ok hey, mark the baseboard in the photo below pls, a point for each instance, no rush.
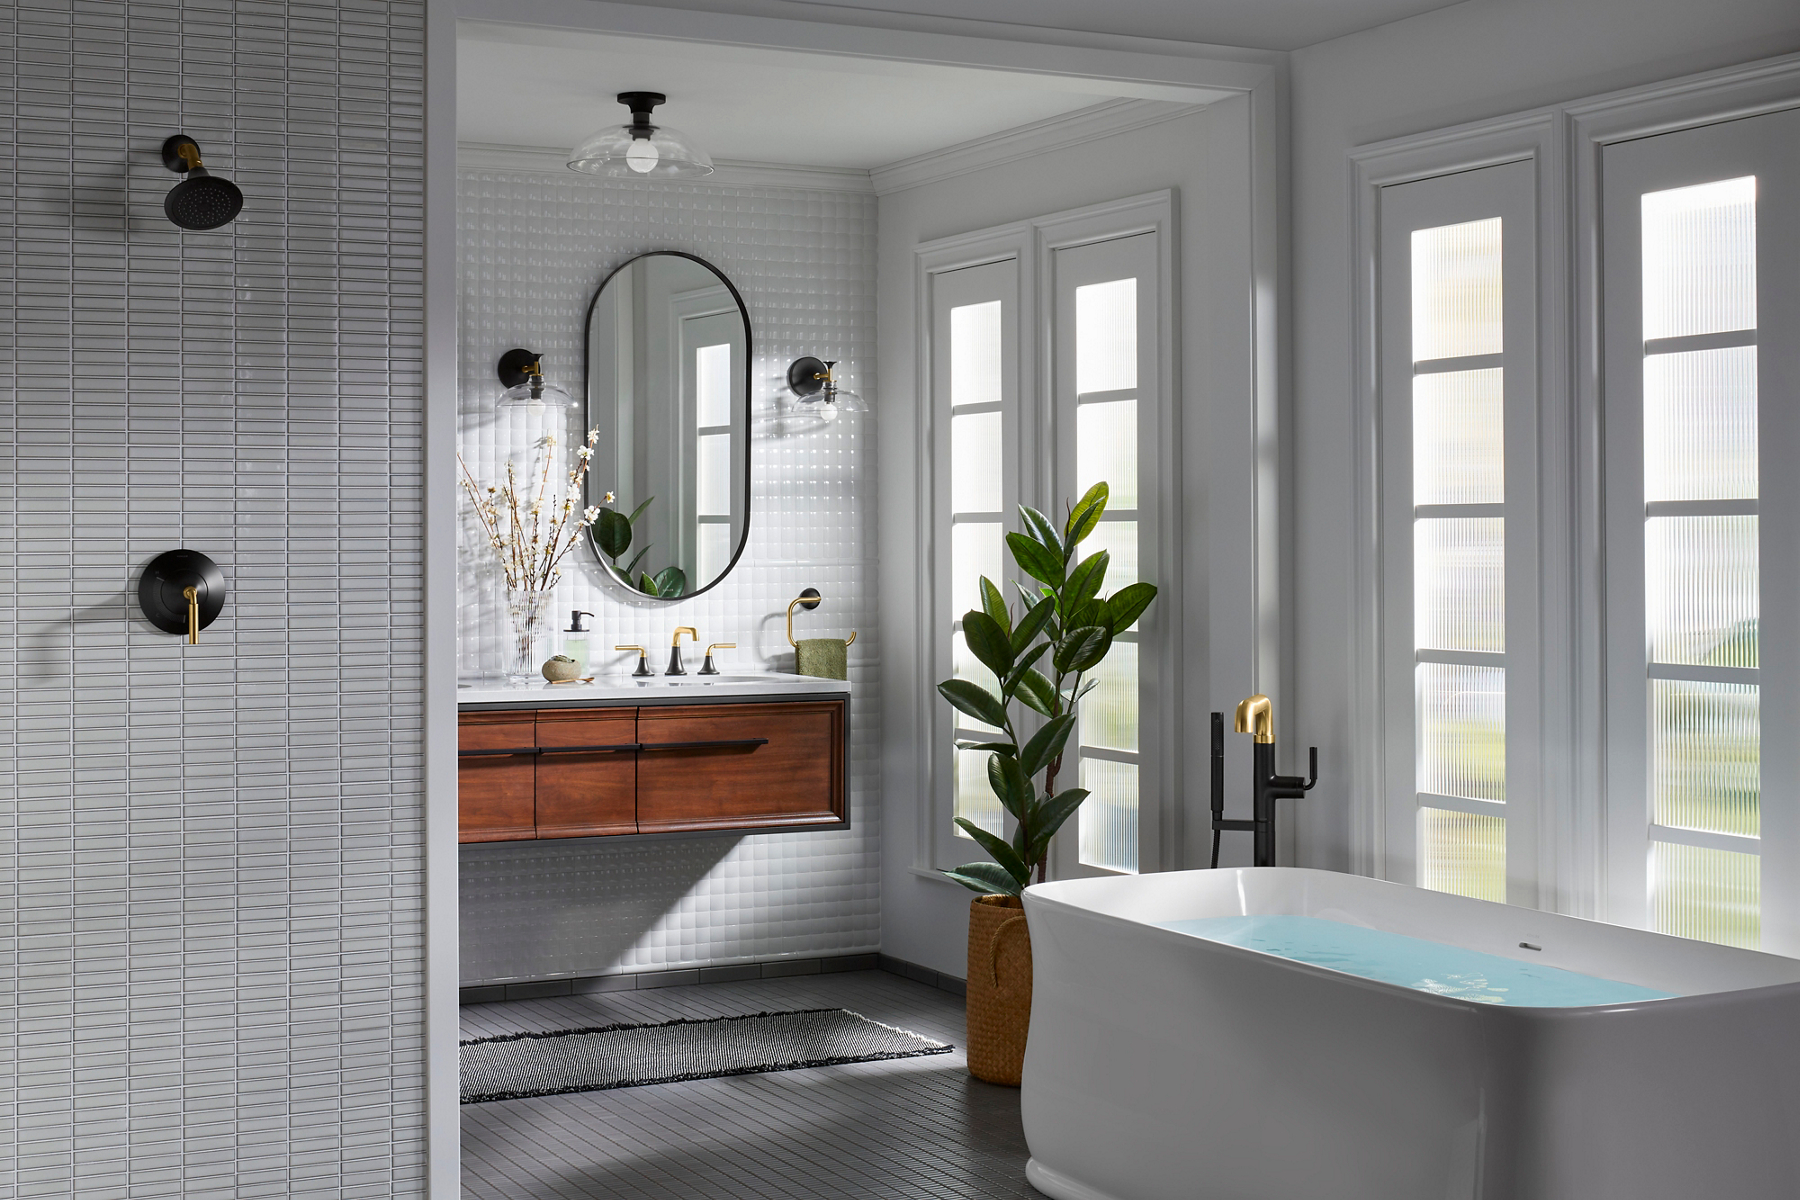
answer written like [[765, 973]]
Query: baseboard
[[582, 985], [953, 984]]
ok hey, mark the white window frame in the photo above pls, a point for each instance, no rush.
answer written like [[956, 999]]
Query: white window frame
[[1566, 144], [1032, 246], [1682, 157], [1506, 191]]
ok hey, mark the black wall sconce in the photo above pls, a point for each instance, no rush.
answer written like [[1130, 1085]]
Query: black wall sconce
[[202, 200], [814, 381], [182, 591], [522, 371]]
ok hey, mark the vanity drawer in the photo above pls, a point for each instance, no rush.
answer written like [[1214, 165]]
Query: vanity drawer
[[734, 766], [494, 777], [587, 772]]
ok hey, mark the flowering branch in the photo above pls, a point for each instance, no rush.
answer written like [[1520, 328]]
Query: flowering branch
[[532, 533]]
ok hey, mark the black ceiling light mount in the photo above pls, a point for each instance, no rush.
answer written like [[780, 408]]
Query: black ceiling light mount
[[641, 148], [202, 200]]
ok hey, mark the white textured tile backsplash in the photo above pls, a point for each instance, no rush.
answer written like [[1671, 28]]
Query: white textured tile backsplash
[[535, 246]]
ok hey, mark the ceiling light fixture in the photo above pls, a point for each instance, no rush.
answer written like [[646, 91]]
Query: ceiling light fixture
[[640, 148]]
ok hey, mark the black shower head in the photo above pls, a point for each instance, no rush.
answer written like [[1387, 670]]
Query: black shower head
[[202, 200]]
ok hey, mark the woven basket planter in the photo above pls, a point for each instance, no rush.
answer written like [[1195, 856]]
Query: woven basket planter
[[999, 988]]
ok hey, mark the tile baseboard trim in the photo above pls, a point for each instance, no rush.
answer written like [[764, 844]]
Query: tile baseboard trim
[[953, 984], [582, 985]]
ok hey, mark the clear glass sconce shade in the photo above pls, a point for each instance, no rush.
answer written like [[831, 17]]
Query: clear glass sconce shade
[[535, 394], [665, 153]]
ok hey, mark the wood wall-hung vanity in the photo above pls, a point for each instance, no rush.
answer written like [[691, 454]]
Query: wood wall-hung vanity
[[596, 768]]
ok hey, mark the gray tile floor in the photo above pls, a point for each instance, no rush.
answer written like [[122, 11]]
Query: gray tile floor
[[907, 1129]]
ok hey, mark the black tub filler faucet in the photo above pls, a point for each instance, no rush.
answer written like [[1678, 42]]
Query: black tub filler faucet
[[1256, 716]]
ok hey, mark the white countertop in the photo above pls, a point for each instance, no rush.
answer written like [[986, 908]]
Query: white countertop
[[682, 688]]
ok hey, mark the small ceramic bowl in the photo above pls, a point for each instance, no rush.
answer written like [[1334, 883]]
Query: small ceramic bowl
[[561, 668]]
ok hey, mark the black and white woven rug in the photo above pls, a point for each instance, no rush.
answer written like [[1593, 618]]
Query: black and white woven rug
[[517, 1065]]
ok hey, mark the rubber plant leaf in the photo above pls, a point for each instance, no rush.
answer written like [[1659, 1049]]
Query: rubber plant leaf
[[1002, 851], [1046, 744], [1085, 580], [987, 878], [1082, 649], [993, 603], [971, 699], [1038, 693], [1086, 514], [639, 511], [1010, 784], [1031, 624], [988, 642], [1050, 817], [1036, 559], [612, 532], [671, 581], [1010, 684], [1044, 530], [1126, 605], [647, 585]]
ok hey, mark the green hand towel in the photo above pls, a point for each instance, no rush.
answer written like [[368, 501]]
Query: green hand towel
[[822, 658]]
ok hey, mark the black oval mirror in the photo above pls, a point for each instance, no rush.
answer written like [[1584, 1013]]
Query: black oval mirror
[[668, 392]]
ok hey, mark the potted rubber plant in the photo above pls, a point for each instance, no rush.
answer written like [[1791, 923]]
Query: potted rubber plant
[[1042, 658]]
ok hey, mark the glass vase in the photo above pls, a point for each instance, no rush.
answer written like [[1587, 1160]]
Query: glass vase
[[526, 652]]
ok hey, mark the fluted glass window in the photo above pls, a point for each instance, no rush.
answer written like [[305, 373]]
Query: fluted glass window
[[1701, 573], [1459, 554], [977, 425], [1107, 334]]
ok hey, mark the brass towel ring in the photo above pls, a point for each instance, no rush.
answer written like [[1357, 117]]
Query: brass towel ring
[[808, 599]]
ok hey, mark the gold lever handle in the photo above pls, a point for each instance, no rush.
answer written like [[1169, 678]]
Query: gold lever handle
[[193, 598], [720, 646]]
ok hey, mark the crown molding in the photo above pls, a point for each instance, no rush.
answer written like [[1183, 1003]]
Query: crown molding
[[551, 160], [1083, 125]]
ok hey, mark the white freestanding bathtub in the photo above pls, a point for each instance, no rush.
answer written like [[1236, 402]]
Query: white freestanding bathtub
[[1163, 1065]]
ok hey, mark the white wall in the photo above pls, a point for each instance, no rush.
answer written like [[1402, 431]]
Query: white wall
[[1204, 156], [534, 248], [1459, 64]]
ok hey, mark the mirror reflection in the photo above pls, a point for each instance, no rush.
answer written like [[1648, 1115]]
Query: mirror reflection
[[668, 375]]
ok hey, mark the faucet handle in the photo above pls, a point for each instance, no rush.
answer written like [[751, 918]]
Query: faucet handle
[[1312, 769], [707, 668], [643, 666]]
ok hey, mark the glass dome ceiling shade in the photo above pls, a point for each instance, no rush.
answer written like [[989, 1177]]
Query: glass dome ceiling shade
[[640, 149]]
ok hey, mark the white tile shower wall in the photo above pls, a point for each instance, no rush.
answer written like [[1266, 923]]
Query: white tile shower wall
[[211, 957], [535, 246]]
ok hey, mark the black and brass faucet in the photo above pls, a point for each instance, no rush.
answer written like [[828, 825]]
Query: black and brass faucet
[[1256, 716], [675, 667]]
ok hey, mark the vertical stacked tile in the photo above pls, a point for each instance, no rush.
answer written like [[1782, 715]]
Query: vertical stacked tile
[[212, 855], [535, 246]]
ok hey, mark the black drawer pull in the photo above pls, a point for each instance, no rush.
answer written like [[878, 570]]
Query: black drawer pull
[[588, 749], [482, 753], [704, 745]]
